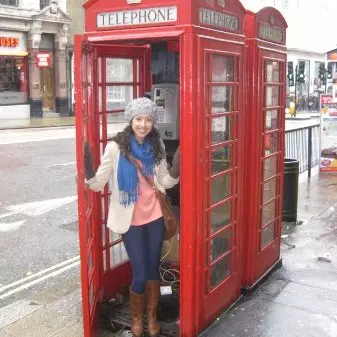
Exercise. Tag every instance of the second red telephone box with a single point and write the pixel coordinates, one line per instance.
(266, 98)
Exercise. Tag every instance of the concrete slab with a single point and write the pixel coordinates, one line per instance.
(70, 305)
(55, 293)
(261, 318)
(17, 310)
(308, 298)
(41, 323)
(76, 330)
(4, 334)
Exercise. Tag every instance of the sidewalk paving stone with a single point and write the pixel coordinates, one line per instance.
(69, 305)
(4, 334)
(309, 298)
(16, 311)
(261, 318)
(75, 330)
(42, 323)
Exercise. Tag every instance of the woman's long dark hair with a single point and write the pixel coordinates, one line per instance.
(123, 140)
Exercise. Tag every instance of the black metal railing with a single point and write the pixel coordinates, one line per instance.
(302, 143)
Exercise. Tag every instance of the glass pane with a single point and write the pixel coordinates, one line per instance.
(269, 190)
(272, 96)
(220, 216)
(118, 255)
(221, 129)
(117, 97)
(220, 271)
(119, 70)
(221, 159)
(270, 167)
(220, 188)
(272, 71)
(267, 235)
(220, 244)
(99, 65)
(271, 120)
(268, 212)
(271, 143)
(222, 99)
(222, 68)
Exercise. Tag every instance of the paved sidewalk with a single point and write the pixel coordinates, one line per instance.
(49, 121)
(298, 300)
(44, 122)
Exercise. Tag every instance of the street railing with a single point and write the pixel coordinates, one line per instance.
(302, 143)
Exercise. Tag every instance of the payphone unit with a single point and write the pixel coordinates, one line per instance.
(166, 97)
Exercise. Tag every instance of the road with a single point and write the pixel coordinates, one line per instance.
(38, 211)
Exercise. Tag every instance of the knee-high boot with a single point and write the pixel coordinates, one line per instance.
(137, 302)
(152, 298)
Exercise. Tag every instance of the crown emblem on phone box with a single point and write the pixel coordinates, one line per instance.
(130, 2)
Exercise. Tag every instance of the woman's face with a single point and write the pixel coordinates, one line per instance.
(141, 125)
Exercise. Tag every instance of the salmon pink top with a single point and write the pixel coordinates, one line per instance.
(147, 208)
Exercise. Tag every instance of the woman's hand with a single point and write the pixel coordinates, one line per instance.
(174, 171)
(89, 170)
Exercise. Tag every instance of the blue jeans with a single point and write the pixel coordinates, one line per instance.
(143, 245)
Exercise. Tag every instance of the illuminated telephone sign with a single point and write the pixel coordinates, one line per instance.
(43, 60)
(10, 42)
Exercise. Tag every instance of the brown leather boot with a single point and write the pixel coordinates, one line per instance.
(152, 298)
(137, 302)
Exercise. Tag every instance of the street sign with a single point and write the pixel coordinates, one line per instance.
(43, 60)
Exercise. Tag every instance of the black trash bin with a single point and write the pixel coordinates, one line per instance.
(290, 190)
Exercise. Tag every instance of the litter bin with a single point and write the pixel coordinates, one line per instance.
(290, 190)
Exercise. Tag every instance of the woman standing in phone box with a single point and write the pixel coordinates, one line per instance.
(134, 209)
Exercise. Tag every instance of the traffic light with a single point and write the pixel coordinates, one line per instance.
(321, 71)
(290, 74)
(300, 72)
(329, 75)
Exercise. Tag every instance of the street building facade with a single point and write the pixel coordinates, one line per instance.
(33, 58)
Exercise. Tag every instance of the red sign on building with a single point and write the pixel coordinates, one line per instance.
(43, 60)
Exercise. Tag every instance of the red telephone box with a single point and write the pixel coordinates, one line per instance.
(114, 63)
(266, 66)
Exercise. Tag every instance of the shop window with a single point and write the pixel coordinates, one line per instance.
(13, 80)
(14, 3)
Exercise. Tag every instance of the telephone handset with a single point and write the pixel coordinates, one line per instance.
(166, 96)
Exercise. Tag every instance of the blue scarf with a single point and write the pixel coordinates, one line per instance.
(127, 176)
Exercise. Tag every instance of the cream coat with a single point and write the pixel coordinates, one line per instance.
(119, 217)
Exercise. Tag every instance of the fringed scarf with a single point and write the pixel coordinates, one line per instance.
(127, 175)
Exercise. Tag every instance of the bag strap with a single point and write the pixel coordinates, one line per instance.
(139, 168)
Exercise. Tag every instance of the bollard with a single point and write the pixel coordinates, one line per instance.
(290, 190)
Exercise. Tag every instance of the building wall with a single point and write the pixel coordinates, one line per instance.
(35, 5)
(312, 82)
(76, 12)
(31, 26)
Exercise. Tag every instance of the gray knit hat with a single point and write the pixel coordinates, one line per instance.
(140, 106)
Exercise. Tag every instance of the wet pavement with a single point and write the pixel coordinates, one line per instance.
(49, 120)
(299, 299)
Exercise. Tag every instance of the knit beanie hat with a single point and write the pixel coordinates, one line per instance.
(140, 106)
